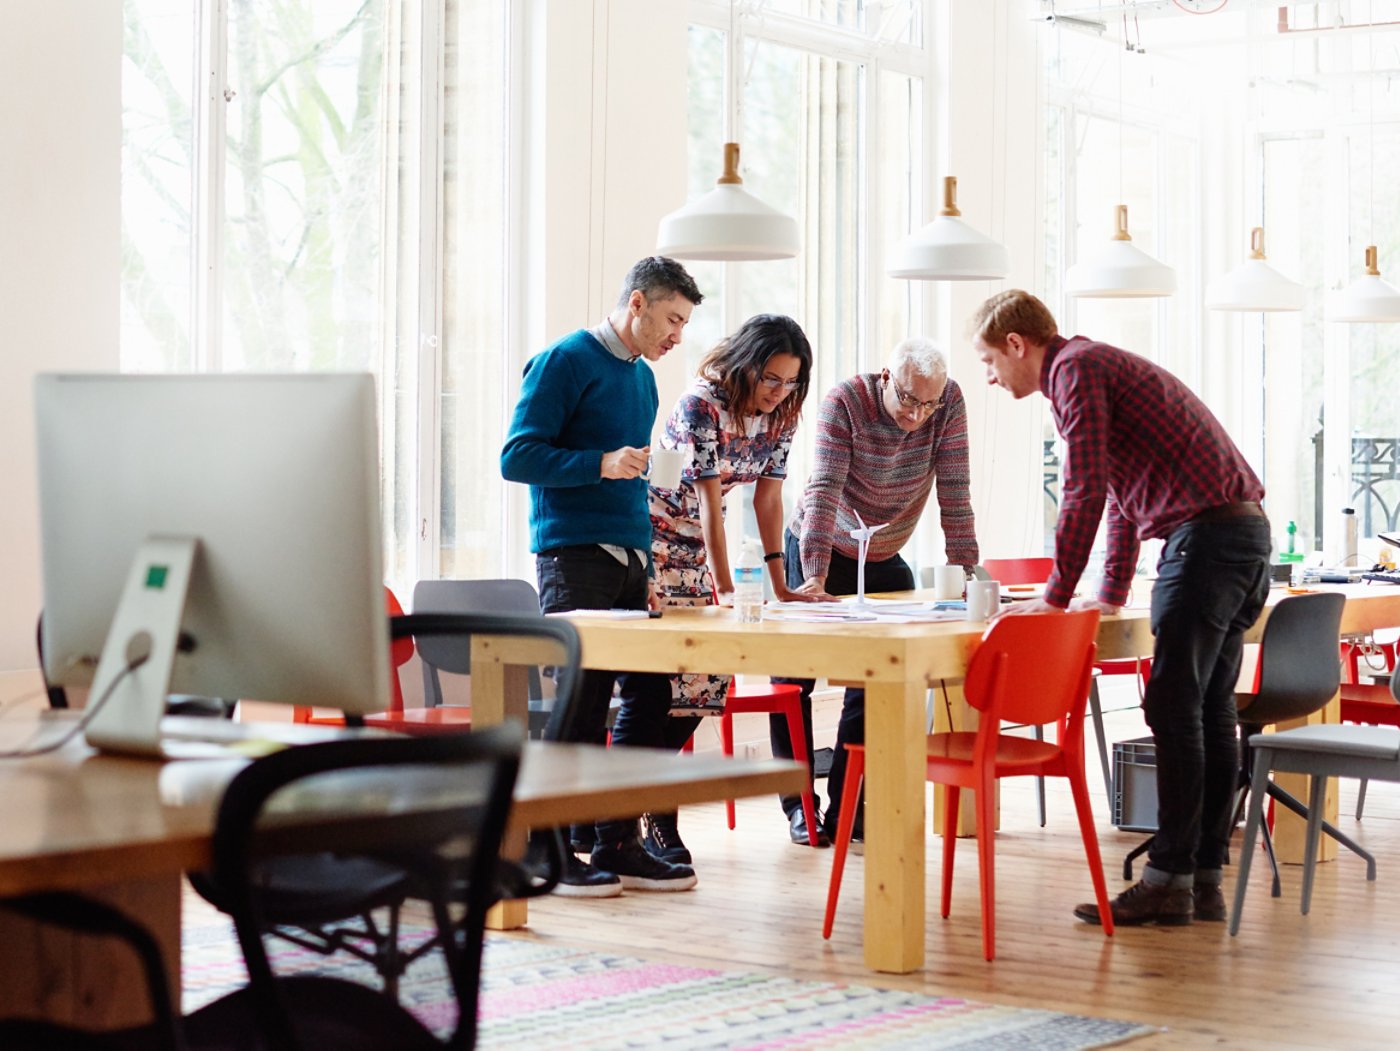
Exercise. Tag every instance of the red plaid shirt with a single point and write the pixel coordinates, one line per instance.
(1139, 442)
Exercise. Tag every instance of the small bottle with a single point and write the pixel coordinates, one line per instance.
(748, 583)
(1292, 554)
(1350, 540)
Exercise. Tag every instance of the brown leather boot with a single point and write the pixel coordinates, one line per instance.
(1143, 903)
(1209, 902)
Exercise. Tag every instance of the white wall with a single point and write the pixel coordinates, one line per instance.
(60, 255)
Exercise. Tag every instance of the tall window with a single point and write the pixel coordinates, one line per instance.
(307, 186)
(826, 98)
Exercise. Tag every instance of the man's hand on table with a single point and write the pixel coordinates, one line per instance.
(813, 589)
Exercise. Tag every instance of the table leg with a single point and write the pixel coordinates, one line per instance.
(501, 692)
(894, 827)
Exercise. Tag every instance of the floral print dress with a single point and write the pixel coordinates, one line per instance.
(737, 451)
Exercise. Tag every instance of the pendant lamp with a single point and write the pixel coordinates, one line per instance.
(1120, 270)
(947, 249)
(728, 223)
(1254, 285)
(1368, 298)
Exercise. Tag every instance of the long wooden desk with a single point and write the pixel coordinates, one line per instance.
(896, 663)
(125, 830)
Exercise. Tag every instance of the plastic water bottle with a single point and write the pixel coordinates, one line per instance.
(748, 584)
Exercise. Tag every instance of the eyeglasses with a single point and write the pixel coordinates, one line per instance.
(912, 403)
(774, 382)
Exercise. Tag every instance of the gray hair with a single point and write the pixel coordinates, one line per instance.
(923, 355)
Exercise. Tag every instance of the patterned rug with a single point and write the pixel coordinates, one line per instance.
(537, 994)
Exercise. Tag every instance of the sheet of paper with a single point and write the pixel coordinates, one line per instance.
(603, 614)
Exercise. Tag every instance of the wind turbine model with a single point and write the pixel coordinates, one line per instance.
(862, 537)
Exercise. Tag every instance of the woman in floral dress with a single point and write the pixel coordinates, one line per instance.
(736, 423)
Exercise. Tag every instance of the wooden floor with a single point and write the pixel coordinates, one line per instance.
(1327, 980)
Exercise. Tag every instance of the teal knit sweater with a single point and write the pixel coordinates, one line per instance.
(577, 402)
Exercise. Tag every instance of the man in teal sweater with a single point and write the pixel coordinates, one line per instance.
(580, 439)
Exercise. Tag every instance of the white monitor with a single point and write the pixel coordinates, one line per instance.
(222, 532)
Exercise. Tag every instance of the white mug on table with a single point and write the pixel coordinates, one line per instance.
(948, 582)
(983, 599)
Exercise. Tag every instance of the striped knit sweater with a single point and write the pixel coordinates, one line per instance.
(865, 463)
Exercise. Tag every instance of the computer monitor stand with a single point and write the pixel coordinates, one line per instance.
(145, 632)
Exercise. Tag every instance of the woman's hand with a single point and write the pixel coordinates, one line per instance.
(813, 589)
(724, 598)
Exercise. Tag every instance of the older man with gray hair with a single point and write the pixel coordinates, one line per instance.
(884, 439)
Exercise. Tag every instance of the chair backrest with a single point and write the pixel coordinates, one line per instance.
(1034, 668)
(400, 652)
(1019, 570)
(436, 805)
(1299, 670)
(507, 595)
(451, 634)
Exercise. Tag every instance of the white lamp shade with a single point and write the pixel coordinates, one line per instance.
(947, 249)
(1368, 298)
(728, 223)
(1120, 270)
(1254, 285)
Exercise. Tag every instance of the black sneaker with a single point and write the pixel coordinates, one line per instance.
(638, 870)
(1143, 903)
(582, 880)
(663, 839)
(582, 839)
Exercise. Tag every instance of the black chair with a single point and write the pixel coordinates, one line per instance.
(436, 807)
(1299, 671)
(327, 903)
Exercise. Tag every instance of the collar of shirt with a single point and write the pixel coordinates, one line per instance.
(607, 335)
(1052, 348)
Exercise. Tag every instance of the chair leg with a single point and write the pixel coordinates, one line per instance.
(846, 820)
(726, 736)
(1317, 799)
(1096, 712)
(1040, 781)
(798, 737)
(1275, 888)
(1361, 798)
(1079, 789)
(1251, 833)
(986, 865)
(1332, 830)
(1137, 852)
(952, 799)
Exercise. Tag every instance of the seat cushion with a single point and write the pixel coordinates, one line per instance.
(1363, 742)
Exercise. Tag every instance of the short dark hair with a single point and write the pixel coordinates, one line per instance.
(657, 277)
(1014, 310)
(736, 364)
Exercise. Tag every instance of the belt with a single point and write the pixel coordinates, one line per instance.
(1241, 509)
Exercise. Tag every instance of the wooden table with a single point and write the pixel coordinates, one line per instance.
(126, 829)
(896, 663)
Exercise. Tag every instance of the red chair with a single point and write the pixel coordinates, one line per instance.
(1032, 670)
(417, 721)
(1371, 704)
(774, 699)
(1013, 571)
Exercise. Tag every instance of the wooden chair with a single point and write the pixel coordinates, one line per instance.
(1030, 670)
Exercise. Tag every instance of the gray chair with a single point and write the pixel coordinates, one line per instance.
(1320, 751)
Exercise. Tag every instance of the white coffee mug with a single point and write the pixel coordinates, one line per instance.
(948, 582)
(664, 468)
(983, 599)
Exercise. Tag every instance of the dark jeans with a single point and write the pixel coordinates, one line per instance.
(892, 574)
(587, 577)
(1212, 581)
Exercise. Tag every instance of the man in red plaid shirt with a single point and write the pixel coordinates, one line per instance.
(1142, 447)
